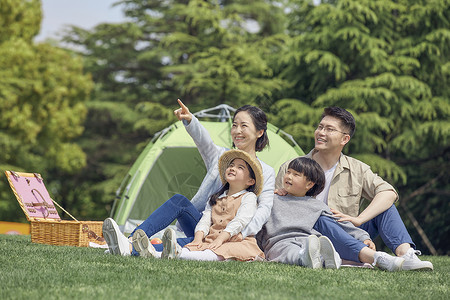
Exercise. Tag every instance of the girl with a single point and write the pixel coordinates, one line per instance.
(228, 211)
(249, 134)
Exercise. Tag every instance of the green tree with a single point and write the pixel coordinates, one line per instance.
(42, 95)
(200, 51)
(387, 62)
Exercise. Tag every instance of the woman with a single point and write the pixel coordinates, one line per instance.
(249, 134)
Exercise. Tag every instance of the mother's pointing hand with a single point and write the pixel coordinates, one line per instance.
(183, 112)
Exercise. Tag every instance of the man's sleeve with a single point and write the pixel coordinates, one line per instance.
(374, 184)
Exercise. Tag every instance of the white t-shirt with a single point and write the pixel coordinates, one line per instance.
(323, 196)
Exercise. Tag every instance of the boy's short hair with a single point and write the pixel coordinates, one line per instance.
(346, 118)
(312, 171)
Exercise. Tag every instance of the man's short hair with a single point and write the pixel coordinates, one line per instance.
(346, 118)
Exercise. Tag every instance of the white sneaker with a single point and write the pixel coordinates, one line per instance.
(142, 244)
(329, 254)
(413, 263)
(310, 256)
(388, 262)
(171, 248)
(118, 244)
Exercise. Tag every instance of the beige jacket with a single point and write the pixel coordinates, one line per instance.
(352, 180)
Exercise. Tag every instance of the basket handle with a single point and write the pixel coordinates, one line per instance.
(64, 210)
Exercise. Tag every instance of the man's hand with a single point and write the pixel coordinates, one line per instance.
(183, 112)
(343, 217)
(370, 244)
(280, 192)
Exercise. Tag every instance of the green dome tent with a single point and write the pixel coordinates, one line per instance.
(171, 164)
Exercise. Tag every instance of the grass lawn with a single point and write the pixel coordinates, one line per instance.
(35, 271)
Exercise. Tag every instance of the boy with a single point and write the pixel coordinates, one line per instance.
(288, 237)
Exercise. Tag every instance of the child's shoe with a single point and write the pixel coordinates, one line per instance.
(142, 244)
(310, 256)
(171, 248)
(329, 254)
(388, 262)
(118, 244)
(413, 263)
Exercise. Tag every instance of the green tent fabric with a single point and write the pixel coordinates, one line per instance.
(171, 164)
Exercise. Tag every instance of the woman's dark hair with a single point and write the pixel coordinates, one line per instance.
(259, 119)
(346, 118)
(213, 198)
(312, 171)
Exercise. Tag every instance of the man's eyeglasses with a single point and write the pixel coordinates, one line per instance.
(328, 130)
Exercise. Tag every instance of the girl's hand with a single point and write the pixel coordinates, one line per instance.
(215, 244)
(194, 243)
(237, 238)
(183, 112)
(222, 238)
(198, 240)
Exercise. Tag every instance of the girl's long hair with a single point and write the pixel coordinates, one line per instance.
(213, 198)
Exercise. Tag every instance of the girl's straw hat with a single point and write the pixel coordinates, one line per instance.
(228, 156)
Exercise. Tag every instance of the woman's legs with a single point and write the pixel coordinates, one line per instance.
(177, 207)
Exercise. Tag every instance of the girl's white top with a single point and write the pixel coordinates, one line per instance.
(243, 216)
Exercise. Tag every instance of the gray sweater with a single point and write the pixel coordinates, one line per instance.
(294, 217)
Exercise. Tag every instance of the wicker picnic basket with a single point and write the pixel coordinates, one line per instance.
(46, 225)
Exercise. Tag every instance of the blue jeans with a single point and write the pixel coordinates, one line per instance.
(176, 208)
(347, 246)
(388, 225)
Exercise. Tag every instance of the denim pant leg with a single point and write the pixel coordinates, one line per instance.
(177, 207)
(347, 246)
(390, 227)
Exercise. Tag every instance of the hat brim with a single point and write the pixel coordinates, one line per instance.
(228, 156)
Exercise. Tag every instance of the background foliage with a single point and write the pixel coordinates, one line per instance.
(80, 117)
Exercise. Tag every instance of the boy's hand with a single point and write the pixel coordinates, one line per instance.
(280, 192)
(370, 244)
(183, 112)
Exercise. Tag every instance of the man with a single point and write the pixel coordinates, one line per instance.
(347, 181)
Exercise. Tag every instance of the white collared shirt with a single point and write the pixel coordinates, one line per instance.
(245, 213)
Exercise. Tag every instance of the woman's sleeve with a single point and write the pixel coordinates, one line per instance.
(244, 214)
(205, 222)
(205, 145)
(265, 203)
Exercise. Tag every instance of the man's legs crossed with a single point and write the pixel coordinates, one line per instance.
(390, 227)
(347, 246)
